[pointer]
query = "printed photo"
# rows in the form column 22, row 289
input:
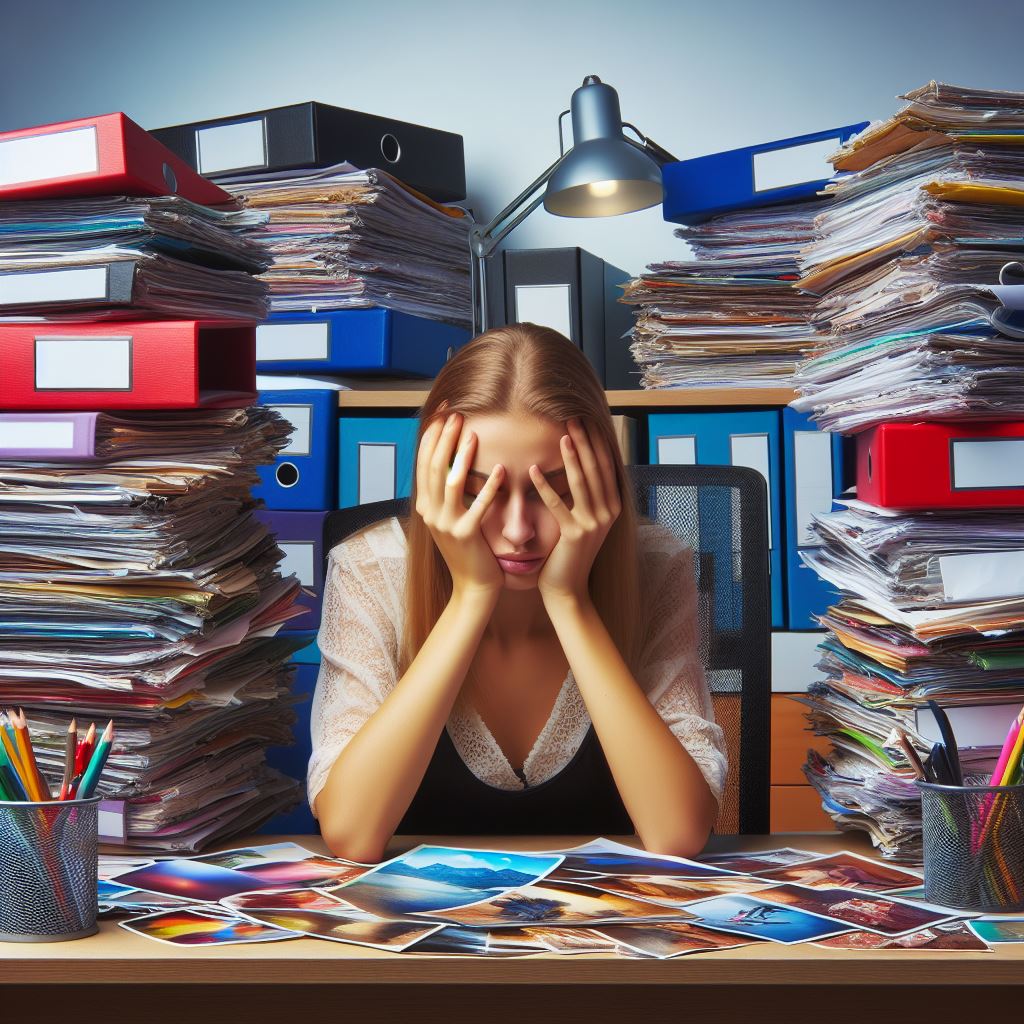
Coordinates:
column 571, row 940
column 668, row 940
column 245, row 856
column 607, row 857
column 757, row 860
column 674, row 892
column 844, row 870
column 953, row 935
column 347, row 924
column 557, row 903
column 745, row 915
column 285, row 899
column 887, row 914
column 189, row 879
column 997, row 930
column 441, row 877
column 192, row 928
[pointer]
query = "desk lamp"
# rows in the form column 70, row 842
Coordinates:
column 605, row 173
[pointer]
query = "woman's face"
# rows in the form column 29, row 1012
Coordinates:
column 517, row 521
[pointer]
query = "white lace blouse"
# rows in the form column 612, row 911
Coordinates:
column 362, row 622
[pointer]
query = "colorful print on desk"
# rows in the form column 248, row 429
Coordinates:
column 953, row 935
column 442, row 877
column 745, row 915
column 844, row 870
column 668, row 940
column 192, row 928
column 998, row 930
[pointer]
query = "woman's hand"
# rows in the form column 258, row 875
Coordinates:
column 441, row 503
column 596, row 504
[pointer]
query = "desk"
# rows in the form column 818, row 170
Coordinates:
column 316, row 978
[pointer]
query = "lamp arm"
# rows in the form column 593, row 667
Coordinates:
column 649, row 146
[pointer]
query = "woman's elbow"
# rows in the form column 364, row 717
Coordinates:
column 345, row 843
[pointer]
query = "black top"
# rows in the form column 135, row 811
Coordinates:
column 581, row 798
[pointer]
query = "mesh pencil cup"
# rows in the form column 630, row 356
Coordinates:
column 48, row 861
column 973, row 846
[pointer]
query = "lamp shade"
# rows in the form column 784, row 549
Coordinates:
column 604, row 174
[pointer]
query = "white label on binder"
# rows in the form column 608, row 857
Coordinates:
column 83, row 364
column 376, row 472
column 794, row 656
column 982, row 464
column 230, row 147
column 110, row 821
column 45, row 157
column 812, row 462
column 751, row 450
column 280, row 342
column 976, row 725
column 27, row 435
column 299, row 558
column 301, row 419
column 548, row 305
column 677, row 451
column 978, row 577
column 53, row 285
column 793, row 165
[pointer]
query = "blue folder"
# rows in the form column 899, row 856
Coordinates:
column 305, row 474
column 774, row 172
column 294, row 760
column 344, row 341
column 813, row 462
column 377, row 457
column 300, row 536
column 728, row 439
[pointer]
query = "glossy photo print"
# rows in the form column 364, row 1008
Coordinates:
column 192, row 928
column 844, row 870
column 745, row 915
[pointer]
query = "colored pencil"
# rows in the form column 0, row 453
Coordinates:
column 1008, row 745
column 96, row 763
column 84, row 751
column 1013, row 761
column 12, row 753
column 70, row 749
column 28, row 757
column 9, row 774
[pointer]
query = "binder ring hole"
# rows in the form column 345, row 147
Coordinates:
column 390, row 149
column 869, row 463
column 287, row 474
column 170, row 179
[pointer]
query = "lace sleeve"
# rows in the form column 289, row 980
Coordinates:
column 358, row 647
column 672, row 674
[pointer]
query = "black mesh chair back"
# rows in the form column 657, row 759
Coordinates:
column 721, row 513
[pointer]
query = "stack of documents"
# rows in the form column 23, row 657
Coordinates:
column 933, row 610
column 733, row 317
column 343, row 238
column 139, row 586
column 906, row 264
column 115, row 257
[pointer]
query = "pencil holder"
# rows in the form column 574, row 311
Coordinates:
column 48, row 861
column 973, row 846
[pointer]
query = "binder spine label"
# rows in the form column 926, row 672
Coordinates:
column 812, row 468
column 301, row 419
column 548, row 305
column 680, row 450
column 377, row 472
column 83, row 363
column 299, row 558
column 71, row 285
column 48, row 156
column 284, row 342
column 232, row 147
column 33, row 435
column 986, row 465
column 794, row 165
column 751, row 450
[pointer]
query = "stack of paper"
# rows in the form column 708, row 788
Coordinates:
column 173, row 258
column 140, row 587
column 342, row 238
column 733, row 317
column 906, row 260
column 917, row 623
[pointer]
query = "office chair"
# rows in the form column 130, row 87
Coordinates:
column 721, row 513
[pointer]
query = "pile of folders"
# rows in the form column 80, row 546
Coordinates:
column 136, row 584
column 918, row 360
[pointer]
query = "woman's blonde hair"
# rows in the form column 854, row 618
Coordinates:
column 526, row 370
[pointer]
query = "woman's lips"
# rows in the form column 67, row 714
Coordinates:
column 520, row 568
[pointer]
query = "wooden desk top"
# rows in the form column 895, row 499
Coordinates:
column 117, row 956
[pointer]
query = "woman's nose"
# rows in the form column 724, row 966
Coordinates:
column 517, row 525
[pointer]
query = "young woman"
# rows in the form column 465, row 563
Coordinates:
column 520, row 656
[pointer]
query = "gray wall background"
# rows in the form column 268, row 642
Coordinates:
column 696, row 77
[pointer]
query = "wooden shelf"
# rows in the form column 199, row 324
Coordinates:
column 412, row 394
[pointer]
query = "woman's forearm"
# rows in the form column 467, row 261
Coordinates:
column 376, row 775
column 663, row 789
